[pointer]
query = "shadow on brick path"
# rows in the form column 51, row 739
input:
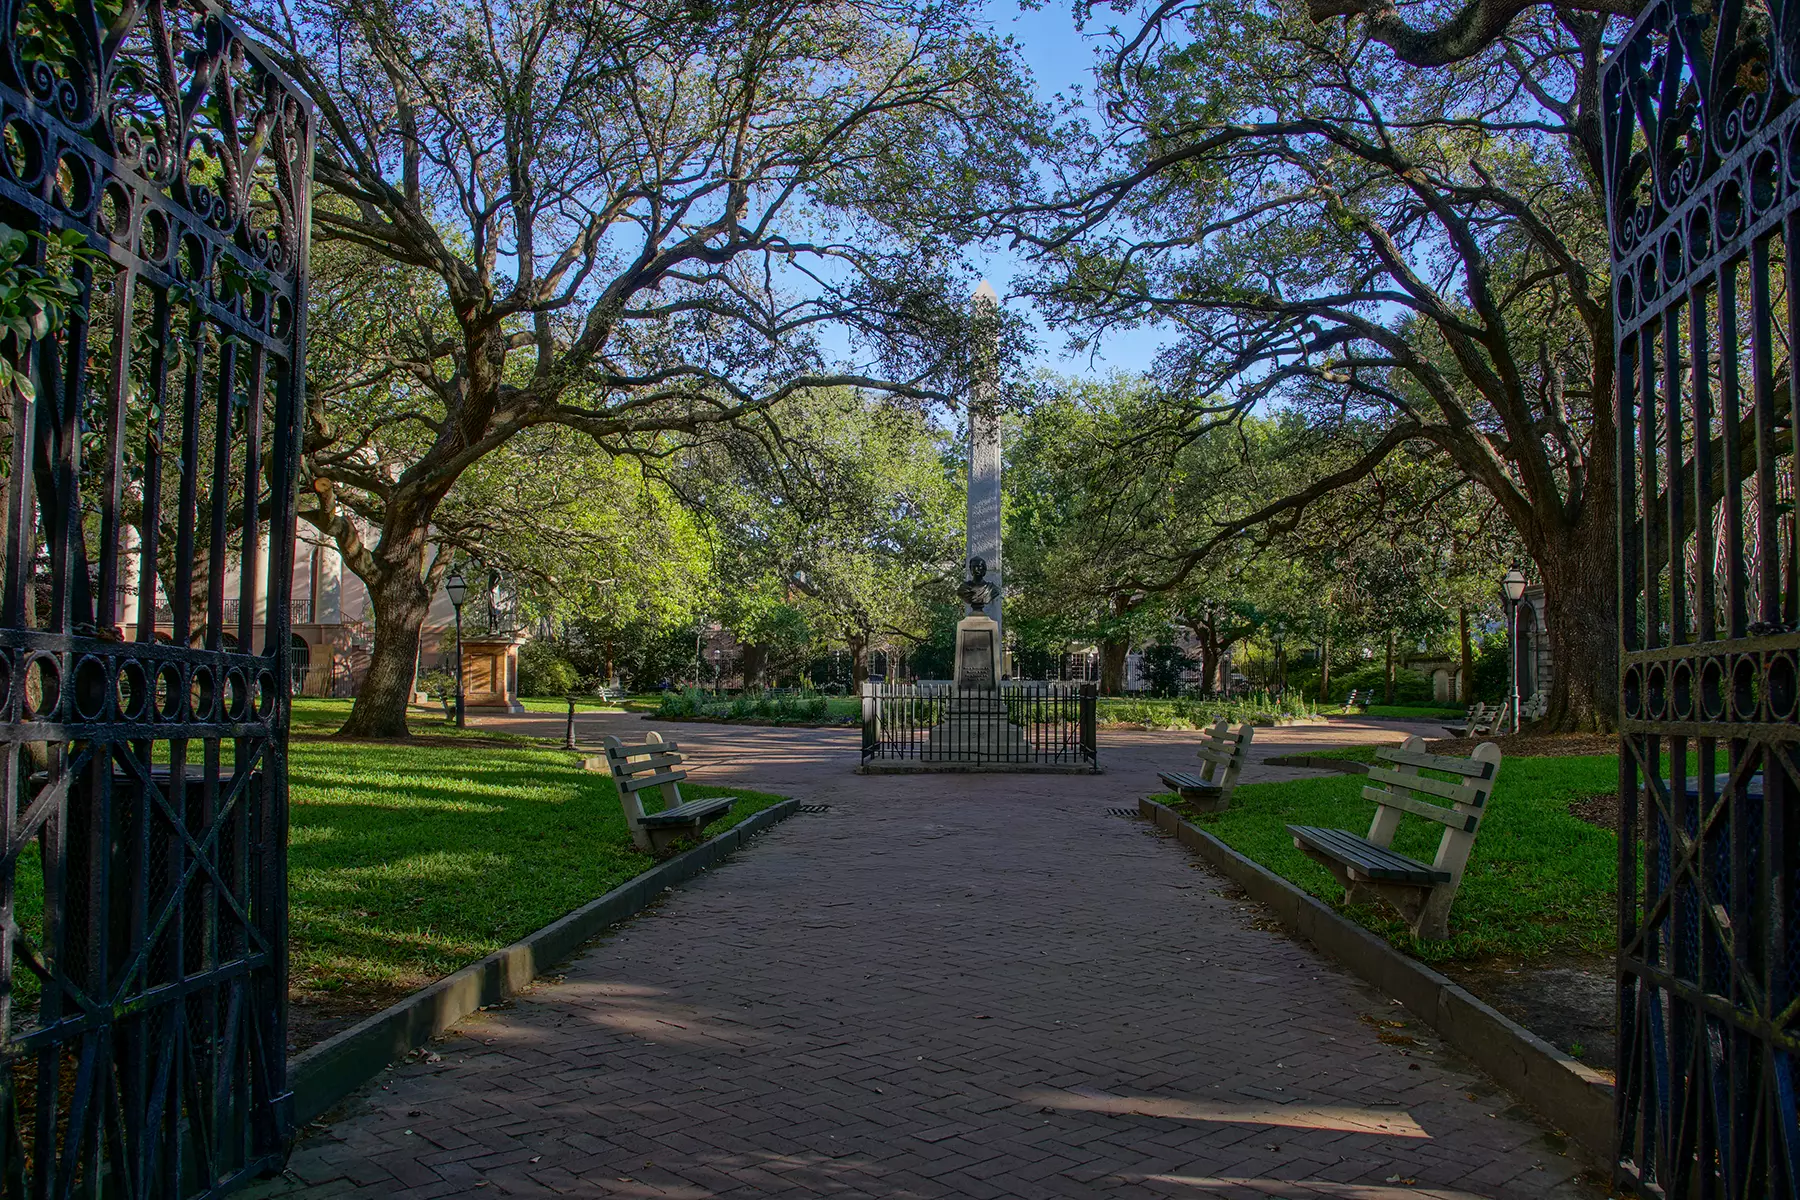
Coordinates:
column 955, row 986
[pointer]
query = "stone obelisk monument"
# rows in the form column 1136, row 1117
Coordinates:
column 983, row 530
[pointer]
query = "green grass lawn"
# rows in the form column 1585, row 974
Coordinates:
column 1415, row 712
column 408, row 861
column 1540, row 880
column 560, row 707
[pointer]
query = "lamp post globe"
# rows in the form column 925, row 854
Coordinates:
column 1512, row 590
column 457, row 588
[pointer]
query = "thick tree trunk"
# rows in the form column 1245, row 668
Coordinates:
column 1112, row 666
column 400, row 601
column 1581, row 598
column 1387, row 696
column 859, row 662
column 1468, row 656
column 1325, row 668
column 756, row 664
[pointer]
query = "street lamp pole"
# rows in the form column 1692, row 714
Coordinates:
column 457, row 589
column 1512, row 590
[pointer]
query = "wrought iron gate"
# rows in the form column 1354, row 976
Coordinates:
column 154, row 175
column 1703, row 186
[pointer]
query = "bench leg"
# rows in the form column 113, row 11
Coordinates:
column 1433, row 924
column 1208, row 802
column 1354, row 892
column 665, row 838
column 1426, row 910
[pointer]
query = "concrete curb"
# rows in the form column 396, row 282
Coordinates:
column 1575, row 1098
column 326, row 1073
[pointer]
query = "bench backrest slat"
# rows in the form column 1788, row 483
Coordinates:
column 1223, row 753
column 629, row 766
column 638, row 782
column 1467, row 767
column 638, row 765
column 1461, row 820
column 1456, row 793
column 1422, row 808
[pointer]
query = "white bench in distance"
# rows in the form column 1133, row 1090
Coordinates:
column 657, row 764
column 1223, row 752
column 1370, row 870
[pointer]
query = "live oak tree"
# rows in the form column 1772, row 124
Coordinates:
column 846, row 513
column 638, row 221
column 1400, row 257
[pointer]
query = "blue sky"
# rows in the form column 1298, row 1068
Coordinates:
column 1060, row 56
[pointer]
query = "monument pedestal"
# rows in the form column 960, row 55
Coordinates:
column 973, row 727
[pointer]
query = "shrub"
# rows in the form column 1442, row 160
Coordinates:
column 686, row 703
column 543, row 671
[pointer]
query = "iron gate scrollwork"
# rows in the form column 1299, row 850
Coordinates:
column 1703, row 187
column 154, row 174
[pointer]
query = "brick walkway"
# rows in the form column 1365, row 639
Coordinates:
column 944, row 986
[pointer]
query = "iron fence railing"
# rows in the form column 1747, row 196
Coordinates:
column 939, row 725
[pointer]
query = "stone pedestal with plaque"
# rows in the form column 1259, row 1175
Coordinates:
column 973, row 724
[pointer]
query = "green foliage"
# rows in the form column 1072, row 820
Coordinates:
column 1540, row 880
column 36, row 301
column 1259, row 708
column 1370, row 681
column 806, row 708
column 1163, row 663
column 543, row 671
column 437, row 683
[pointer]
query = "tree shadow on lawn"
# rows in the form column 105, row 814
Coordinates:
column 408, row 862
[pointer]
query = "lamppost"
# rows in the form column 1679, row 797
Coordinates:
column 699, row 671
column 458, row 590
column 1512, row 590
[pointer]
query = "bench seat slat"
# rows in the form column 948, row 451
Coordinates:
column 1456, row 793
column 1368, row 859
column 1469, row 768
column 1183, row 782
column 637, row 783
column 1423, row 808
column 692, row 811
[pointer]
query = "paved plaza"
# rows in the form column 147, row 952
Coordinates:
column 942, row 986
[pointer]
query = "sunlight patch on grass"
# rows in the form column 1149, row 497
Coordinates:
column 409, row 861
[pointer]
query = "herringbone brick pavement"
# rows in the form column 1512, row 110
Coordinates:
column 943, row 987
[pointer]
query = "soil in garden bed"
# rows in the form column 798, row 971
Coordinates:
column 1568, row 1000
column 315, row 1016
column 1532, row 745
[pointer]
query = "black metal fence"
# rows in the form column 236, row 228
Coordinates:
column 1703, row 184
column 156, row 176
column 939, row 726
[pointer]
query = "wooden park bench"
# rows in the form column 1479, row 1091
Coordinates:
column 657, row 764
column 1223, row 752
column 1482, row 719
column 1369, row 869
column 1352, row 700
